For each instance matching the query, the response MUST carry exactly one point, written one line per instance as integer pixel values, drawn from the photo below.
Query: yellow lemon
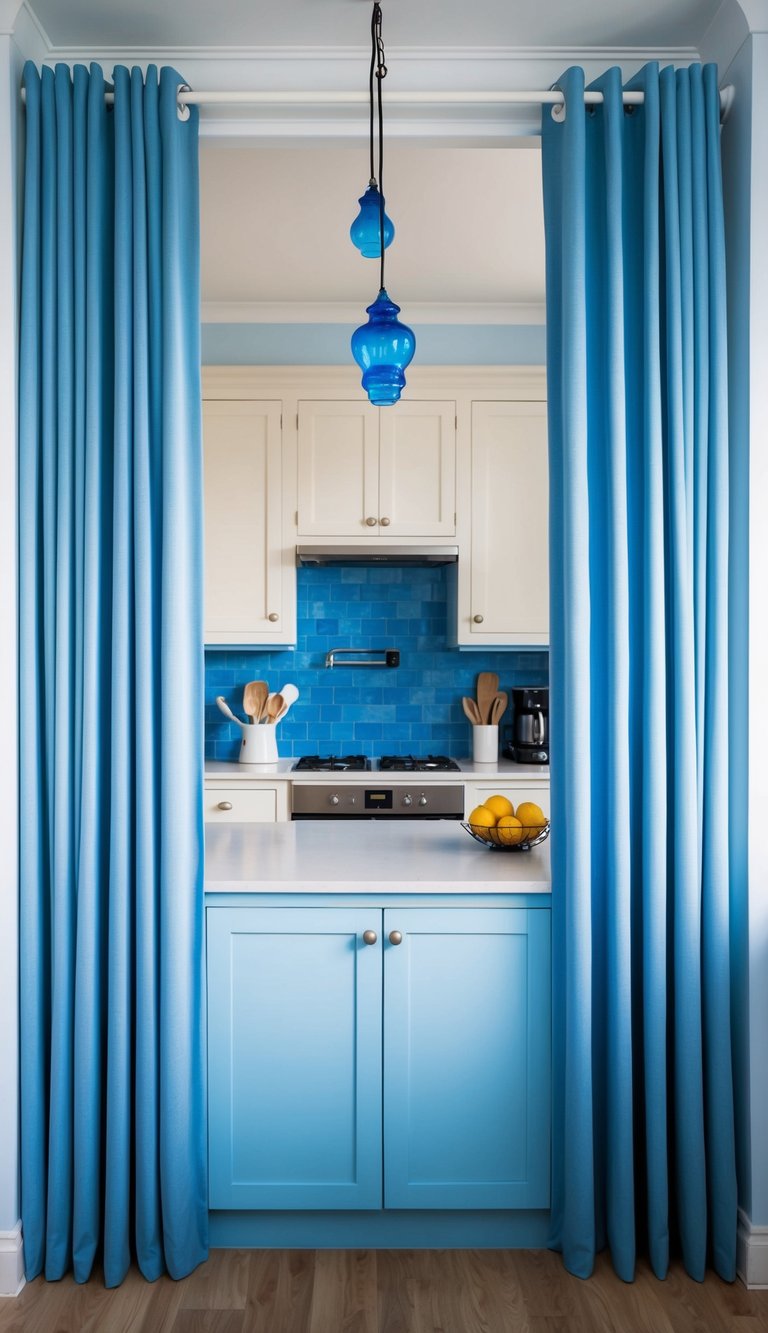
(532, 818)
(499, 805)
(509, 831)
(481, 821)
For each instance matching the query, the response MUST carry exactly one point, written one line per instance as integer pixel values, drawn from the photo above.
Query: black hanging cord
(370, 90)
(377, 61)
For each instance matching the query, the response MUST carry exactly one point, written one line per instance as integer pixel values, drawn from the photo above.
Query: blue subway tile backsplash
(413, 708)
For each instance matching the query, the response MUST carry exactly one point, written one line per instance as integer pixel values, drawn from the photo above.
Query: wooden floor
(366, 1291)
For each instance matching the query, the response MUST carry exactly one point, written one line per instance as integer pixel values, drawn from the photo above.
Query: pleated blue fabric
(643, 1153)
(113, 1156)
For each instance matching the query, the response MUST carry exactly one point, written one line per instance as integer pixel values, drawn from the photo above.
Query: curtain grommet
(558, 112)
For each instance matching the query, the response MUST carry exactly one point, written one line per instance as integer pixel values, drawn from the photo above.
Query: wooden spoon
(487, 689)
(498, 707)
(275, 706)
(255, 698)
(471, 711)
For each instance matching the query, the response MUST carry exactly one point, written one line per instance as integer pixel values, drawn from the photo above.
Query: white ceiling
(275, 227)
(431, 23)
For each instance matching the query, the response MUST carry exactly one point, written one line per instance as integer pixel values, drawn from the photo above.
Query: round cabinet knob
(422, 800)
(478, 619)
(407, 800)
(371, 522)
(225, 805)
(395, 937)
(334, 800)
(370, 936)
(384, 522)
(273, 616)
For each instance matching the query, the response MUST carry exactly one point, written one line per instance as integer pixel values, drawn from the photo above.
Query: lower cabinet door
(294, 1058)
(466, 1058)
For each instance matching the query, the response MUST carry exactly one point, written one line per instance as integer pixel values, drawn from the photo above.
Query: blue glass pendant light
(384, 346)
(365, 232)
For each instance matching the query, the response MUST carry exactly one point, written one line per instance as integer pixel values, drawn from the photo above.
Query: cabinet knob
(273, 616)
(395, 937)
(478, 619)
(225, 805)
(384, 522)
(371, 522)
(370, 936)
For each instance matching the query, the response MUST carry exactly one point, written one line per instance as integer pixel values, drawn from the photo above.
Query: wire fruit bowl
(489, 837)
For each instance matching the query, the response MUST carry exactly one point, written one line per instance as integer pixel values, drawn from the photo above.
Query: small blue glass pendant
(383, 348)
(365, 230)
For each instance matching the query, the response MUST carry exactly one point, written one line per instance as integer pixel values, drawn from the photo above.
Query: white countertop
(373, 856)
(283, 769)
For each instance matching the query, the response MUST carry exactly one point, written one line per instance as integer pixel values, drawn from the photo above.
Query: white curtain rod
(549, 97)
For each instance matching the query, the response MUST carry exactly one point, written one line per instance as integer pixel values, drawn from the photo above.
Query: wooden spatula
(254, 699)
(498, 707)
(487, 689)
(471, 710)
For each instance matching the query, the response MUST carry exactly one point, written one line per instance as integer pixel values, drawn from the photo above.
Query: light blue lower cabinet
(312, 1031)
(466, 1058)
(294, 1058)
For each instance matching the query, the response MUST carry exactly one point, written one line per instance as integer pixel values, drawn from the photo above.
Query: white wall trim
(522, 382)
(11, 1262)
(752, 1254)
(347, 312)
(421, 69)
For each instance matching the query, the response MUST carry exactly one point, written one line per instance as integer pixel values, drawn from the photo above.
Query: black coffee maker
(529, 743)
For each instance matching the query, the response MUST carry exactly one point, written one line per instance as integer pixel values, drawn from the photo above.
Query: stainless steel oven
(377, 800)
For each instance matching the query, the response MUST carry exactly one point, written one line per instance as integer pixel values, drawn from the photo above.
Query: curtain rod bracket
(182, 110)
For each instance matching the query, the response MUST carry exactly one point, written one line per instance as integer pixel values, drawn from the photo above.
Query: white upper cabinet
(504, 585)
(249, 568)
(338, 478)
(417, 469)
(374, 473)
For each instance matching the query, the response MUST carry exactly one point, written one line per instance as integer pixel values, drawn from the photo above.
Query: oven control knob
(351, 800)
(422, 799)
(407, 800)
(334, 800)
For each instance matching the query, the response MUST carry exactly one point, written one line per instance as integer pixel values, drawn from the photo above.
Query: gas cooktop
(389, 763)
(331, 763)
(409, 763)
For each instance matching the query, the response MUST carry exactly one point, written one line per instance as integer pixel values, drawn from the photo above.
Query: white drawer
(239, 805)
(476, 793)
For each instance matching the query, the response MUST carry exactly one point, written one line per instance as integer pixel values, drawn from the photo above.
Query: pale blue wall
(328, 344)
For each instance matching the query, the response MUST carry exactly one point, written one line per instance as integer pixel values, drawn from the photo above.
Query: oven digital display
(378, 800)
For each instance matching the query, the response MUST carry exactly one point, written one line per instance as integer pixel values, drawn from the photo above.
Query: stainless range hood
(375, 555)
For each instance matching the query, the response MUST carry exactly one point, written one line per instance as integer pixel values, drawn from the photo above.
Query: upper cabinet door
(508, 599)
(417, 470)
(338, 469)
(247, 572)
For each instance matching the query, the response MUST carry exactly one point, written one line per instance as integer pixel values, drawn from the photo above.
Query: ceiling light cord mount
(384, 346)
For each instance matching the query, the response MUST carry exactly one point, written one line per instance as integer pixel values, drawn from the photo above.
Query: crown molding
(417, 70)
(9, 12)
(30, 36)
(348, 312)
(336, 381)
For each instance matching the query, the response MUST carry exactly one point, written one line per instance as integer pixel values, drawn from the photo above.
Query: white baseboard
(11, 1262)
(752, 1254)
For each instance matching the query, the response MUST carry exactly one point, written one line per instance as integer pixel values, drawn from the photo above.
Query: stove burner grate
(408, 763)
(331, 763)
